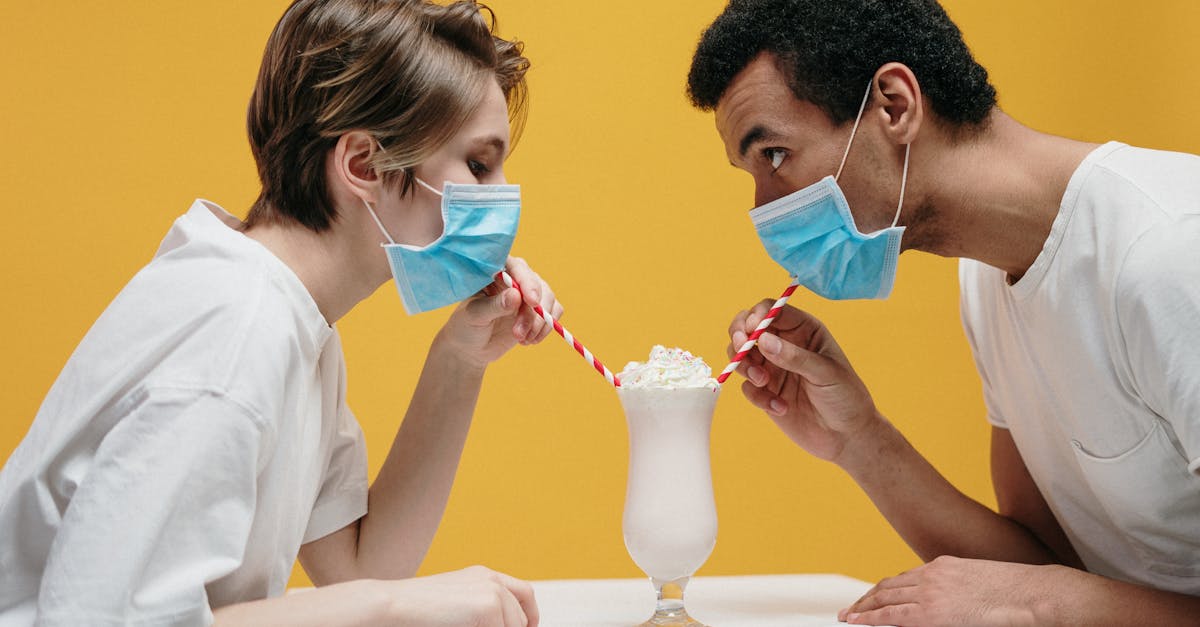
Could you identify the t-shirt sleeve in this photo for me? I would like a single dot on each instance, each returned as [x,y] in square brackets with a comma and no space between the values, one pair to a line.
[1158,312]
[343,495]
[974,313]
[166,508]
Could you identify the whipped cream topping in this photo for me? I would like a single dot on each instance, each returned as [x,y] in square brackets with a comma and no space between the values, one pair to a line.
[668,368]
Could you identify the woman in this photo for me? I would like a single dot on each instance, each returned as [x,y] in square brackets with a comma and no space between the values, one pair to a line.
[198,439]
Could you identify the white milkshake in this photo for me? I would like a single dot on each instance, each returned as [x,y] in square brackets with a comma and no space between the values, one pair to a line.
[670,521]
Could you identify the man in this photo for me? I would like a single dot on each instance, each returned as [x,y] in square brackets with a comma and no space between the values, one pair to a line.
[1080,279]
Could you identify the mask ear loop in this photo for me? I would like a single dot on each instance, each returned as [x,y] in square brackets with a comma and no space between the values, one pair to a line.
[415,177]
[853,131]
[372,211]
[377,222]
[426,185]
[903,183]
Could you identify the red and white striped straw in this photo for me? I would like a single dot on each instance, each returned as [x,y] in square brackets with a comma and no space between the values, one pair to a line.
[762,327]
[566,335]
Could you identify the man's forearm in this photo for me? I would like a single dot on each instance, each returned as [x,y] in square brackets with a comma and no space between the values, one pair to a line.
[932,516]
[409,495]
[1095,601]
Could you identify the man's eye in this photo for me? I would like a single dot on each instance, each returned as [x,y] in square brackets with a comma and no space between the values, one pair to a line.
[775,156]
[477,168]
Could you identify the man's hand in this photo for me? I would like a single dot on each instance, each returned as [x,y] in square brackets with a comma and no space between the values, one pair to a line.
[801,378]
[487,325]
[951,591]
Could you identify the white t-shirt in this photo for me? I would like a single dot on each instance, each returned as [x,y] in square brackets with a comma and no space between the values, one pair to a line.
[195,439]
[1092,362]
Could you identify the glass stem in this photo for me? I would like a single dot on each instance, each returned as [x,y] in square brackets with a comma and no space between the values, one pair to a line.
[670,598]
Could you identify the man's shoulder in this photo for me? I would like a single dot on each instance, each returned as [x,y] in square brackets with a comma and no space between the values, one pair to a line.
[1165,183]
[1164,259]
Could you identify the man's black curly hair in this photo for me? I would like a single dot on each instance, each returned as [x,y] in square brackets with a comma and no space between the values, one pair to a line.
[830,49]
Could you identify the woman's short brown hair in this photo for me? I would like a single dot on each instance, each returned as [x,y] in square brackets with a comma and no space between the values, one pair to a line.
[408,72]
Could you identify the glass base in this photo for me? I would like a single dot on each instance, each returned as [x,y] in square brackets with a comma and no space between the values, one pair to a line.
[671,617]
[670,612]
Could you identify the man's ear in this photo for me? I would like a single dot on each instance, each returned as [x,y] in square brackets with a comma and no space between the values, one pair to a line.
[902,110]
[351,165]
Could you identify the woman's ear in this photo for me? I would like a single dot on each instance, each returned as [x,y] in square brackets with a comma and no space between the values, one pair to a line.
[352,166]
[903,109]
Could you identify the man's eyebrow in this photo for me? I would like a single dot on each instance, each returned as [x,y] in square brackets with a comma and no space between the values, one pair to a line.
[757,134]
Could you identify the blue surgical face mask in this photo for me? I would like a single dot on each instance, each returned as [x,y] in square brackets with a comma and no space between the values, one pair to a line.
[811,233]
[480,224]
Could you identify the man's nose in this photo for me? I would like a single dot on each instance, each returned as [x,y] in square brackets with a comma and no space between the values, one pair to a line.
[766,192]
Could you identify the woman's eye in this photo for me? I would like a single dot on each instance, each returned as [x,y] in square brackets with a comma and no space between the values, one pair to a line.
[776,156]
[477,168]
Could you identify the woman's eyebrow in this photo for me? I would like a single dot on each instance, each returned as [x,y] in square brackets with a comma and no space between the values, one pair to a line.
[494,142]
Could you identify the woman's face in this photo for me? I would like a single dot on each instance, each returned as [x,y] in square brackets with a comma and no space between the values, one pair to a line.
[475,155]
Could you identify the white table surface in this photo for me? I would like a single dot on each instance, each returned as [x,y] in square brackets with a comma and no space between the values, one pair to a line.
[746,601]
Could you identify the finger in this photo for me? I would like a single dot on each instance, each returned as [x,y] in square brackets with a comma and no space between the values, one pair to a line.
[883,597]
[903,580]
[814,367]
[755,359]
[522,591]
[481,310]
[751,365]
[531,285]
[764,399]
[534,325]
[521,325]
[752,369]
[549,302]
[752,320]
[899,615]
[737,339]
[542,333]
[757,313]
[510,609]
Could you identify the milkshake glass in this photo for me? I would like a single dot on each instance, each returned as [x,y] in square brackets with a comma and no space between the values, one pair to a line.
[670,521]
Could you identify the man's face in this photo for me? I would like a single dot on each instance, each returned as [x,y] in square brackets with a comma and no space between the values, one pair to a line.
[786,143]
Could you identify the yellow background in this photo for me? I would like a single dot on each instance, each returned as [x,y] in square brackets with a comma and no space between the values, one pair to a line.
[115,115]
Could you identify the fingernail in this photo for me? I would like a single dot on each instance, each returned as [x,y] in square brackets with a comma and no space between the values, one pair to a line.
[521,328]
[853,617]
[755,374]
[777,406]
[769,343]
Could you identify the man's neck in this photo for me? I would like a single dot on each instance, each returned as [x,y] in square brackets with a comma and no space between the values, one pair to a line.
[995,197]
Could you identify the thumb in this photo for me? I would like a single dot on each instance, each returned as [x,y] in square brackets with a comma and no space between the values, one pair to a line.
[813,367]
[487,309]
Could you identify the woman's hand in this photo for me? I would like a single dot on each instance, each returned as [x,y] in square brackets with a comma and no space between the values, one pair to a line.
[474,596]
[487,325]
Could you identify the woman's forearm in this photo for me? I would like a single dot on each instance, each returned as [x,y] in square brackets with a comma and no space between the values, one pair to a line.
[409,495]
[351,604]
